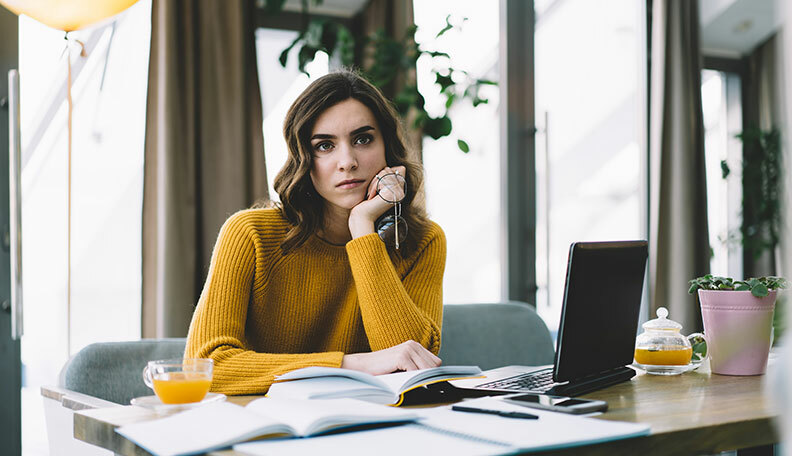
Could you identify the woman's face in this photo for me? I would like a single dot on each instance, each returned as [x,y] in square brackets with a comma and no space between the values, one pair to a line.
[348,152]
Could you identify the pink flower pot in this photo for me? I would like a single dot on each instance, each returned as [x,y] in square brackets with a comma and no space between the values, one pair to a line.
[738,326]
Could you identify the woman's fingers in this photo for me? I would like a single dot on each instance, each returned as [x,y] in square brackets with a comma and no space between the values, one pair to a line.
[423,357]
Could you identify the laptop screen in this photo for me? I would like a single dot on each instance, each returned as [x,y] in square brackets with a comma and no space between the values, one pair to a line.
[602,299]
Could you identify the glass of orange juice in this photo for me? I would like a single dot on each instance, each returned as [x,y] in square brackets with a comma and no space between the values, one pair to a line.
[179,381]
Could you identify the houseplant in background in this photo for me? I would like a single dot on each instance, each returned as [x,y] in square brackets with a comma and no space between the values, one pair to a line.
[738,321]
[762,190]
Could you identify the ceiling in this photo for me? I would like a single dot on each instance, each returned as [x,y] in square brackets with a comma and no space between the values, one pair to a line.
[733,28]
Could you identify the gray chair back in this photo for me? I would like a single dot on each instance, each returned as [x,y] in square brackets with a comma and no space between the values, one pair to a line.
[494,335]
[113,370]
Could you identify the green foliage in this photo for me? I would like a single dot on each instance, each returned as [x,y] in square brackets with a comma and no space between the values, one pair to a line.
[761,189]
[389,57]
[758,287]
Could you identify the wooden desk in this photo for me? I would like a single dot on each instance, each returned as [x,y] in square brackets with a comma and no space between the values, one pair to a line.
[689,414]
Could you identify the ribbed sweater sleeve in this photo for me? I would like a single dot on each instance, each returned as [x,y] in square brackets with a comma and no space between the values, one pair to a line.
[396,310]
[217,330]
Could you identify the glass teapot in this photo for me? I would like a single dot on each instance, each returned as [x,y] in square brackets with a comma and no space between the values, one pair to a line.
[662,350]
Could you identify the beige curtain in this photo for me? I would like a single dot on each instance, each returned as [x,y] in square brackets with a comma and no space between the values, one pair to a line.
[763,107]
[204,153]
[679,245]
[394,17]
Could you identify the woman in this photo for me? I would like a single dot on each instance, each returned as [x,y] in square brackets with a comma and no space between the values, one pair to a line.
[309,282]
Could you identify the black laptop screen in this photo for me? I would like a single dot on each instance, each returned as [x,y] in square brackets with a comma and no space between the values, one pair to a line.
[602,299]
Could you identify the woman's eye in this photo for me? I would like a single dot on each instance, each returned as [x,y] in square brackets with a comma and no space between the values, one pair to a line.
[363,139]
[323,146]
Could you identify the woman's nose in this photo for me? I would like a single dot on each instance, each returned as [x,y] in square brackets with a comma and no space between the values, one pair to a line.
[347,160]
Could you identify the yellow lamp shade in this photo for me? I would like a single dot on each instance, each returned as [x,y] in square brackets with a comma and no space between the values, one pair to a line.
[67,15]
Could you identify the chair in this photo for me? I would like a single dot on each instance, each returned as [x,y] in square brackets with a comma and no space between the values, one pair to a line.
[113,370]
[100,375]
[494,335]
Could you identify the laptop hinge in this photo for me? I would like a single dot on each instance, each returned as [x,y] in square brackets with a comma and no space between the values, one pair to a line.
[593,383]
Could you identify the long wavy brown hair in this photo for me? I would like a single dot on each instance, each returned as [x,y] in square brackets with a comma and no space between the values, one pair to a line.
[300,203]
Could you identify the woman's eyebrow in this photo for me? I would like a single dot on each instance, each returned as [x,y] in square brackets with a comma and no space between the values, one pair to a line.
[352,133]
[361,130]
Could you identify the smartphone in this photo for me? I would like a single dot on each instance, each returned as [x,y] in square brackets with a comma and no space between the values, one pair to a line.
[563,404]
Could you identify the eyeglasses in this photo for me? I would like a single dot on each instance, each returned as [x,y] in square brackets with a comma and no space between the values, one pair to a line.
[390,187]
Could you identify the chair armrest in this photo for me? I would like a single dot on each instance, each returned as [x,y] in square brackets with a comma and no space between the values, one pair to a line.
[73,400]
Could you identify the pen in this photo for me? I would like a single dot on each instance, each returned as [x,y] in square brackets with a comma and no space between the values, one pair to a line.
[461,408]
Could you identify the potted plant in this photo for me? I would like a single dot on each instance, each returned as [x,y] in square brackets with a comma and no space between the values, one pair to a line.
[738,320]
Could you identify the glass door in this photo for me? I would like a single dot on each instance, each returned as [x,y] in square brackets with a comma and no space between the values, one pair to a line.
[10,365]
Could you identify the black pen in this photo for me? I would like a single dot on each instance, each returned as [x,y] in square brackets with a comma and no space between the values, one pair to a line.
[461,408]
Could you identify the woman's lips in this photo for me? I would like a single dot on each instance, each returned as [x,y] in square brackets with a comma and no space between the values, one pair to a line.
[351,183]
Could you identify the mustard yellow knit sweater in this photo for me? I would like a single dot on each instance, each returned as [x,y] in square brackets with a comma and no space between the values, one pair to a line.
[262,314]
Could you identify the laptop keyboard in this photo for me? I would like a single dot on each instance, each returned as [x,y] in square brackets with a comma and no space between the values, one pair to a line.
[539,381]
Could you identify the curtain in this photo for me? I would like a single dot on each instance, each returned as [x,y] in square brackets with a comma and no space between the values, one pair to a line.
[204,152]
[679,244]
[763,107]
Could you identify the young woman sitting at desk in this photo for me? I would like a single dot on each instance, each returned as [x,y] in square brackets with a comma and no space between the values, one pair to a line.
[310,282]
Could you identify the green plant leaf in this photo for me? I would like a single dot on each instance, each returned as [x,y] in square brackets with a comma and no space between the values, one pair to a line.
[759,290]
[436,54]
[463,146]
[273,6]
[444,81]
[438,127]
[447,27]
[725,171]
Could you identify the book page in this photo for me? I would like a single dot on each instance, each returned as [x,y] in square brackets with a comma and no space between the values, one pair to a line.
[400,382]
[331,388]
[409,439]
[551,430]
[309,417]
[318,371]
[201,429]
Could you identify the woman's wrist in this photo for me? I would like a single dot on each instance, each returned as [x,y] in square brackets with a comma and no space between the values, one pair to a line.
[360,226]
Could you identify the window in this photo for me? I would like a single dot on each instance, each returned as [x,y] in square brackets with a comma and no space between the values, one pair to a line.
[463,190]
[590,147]
[720,99]
[279,88]
[109,93]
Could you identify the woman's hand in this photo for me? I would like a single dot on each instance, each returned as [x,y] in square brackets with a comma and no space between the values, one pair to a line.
[406,356]
[362,216]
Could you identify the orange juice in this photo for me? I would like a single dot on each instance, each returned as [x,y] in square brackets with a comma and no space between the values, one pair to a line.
[671,355]
[181,387]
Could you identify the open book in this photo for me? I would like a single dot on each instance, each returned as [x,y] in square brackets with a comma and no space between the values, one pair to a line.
[333,382]
[444,431]
[221,424]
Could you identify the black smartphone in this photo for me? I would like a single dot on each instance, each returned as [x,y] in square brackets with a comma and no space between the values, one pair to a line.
[563,404]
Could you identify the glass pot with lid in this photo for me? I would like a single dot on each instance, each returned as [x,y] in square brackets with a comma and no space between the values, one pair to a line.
[662,350]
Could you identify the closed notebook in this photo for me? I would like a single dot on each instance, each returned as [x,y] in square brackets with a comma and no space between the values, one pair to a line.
[333,382]
[222,424]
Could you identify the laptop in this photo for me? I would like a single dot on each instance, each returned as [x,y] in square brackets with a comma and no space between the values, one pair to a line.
[596,335]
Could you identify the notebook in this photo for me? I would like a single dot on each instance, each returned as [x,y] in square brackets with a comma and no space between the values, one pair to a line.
[221,424]
[441,430]
[596,335]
